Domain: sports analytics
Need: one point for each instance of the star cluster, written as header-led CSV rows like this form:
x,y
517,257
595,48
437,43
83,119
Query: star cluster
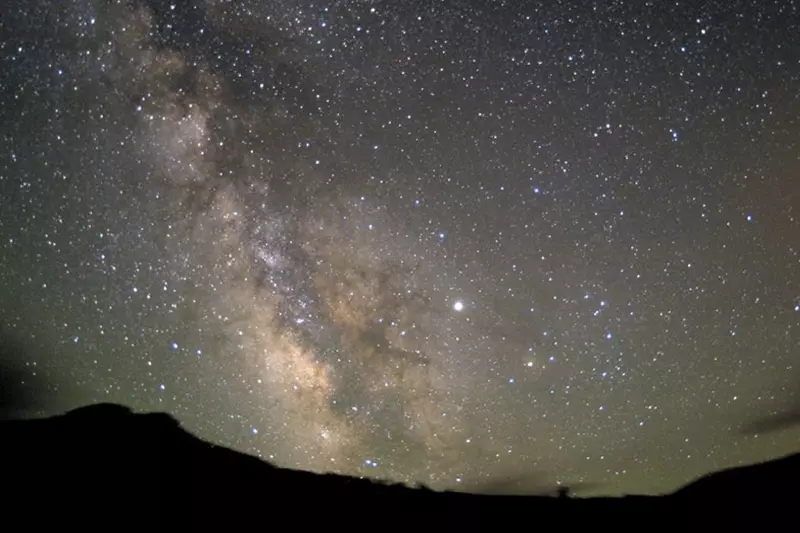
x,y
441,242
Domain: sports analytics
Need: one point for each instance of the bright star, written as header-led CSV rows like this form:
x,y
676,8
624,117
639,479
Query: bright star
x,y
458,305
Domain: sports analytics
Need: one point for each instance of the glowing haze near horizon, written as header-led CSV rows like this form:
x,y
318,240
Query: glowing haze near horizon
x,y
468,244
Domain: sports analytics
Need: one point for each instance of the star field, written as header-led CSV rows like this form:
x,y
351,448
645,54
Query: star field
x,y
456,243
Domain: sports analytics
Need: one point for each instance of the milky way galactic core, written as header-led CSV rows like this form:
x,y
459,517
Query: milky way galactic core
x,y
485,246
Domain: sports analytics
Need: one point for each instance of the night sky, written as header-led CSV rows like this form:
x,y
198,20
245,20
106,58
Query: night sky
x,y
467,244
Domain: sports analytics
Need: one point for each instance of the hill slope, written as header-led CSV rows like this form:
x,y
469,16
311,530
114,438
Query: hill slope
x,y
106,466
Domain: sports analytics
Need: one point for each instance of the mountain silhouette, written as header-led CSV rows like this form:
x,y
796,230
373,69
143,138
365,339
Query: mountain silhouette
x,y
106,466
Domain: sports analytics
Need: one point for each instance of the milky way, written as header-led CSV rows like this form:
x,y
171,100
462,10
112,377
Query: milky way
x,y
466,244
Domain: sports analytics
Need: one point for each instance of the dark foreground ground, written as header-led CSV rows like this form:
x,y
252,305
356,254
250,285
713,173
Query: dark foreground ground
x,y
105,467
